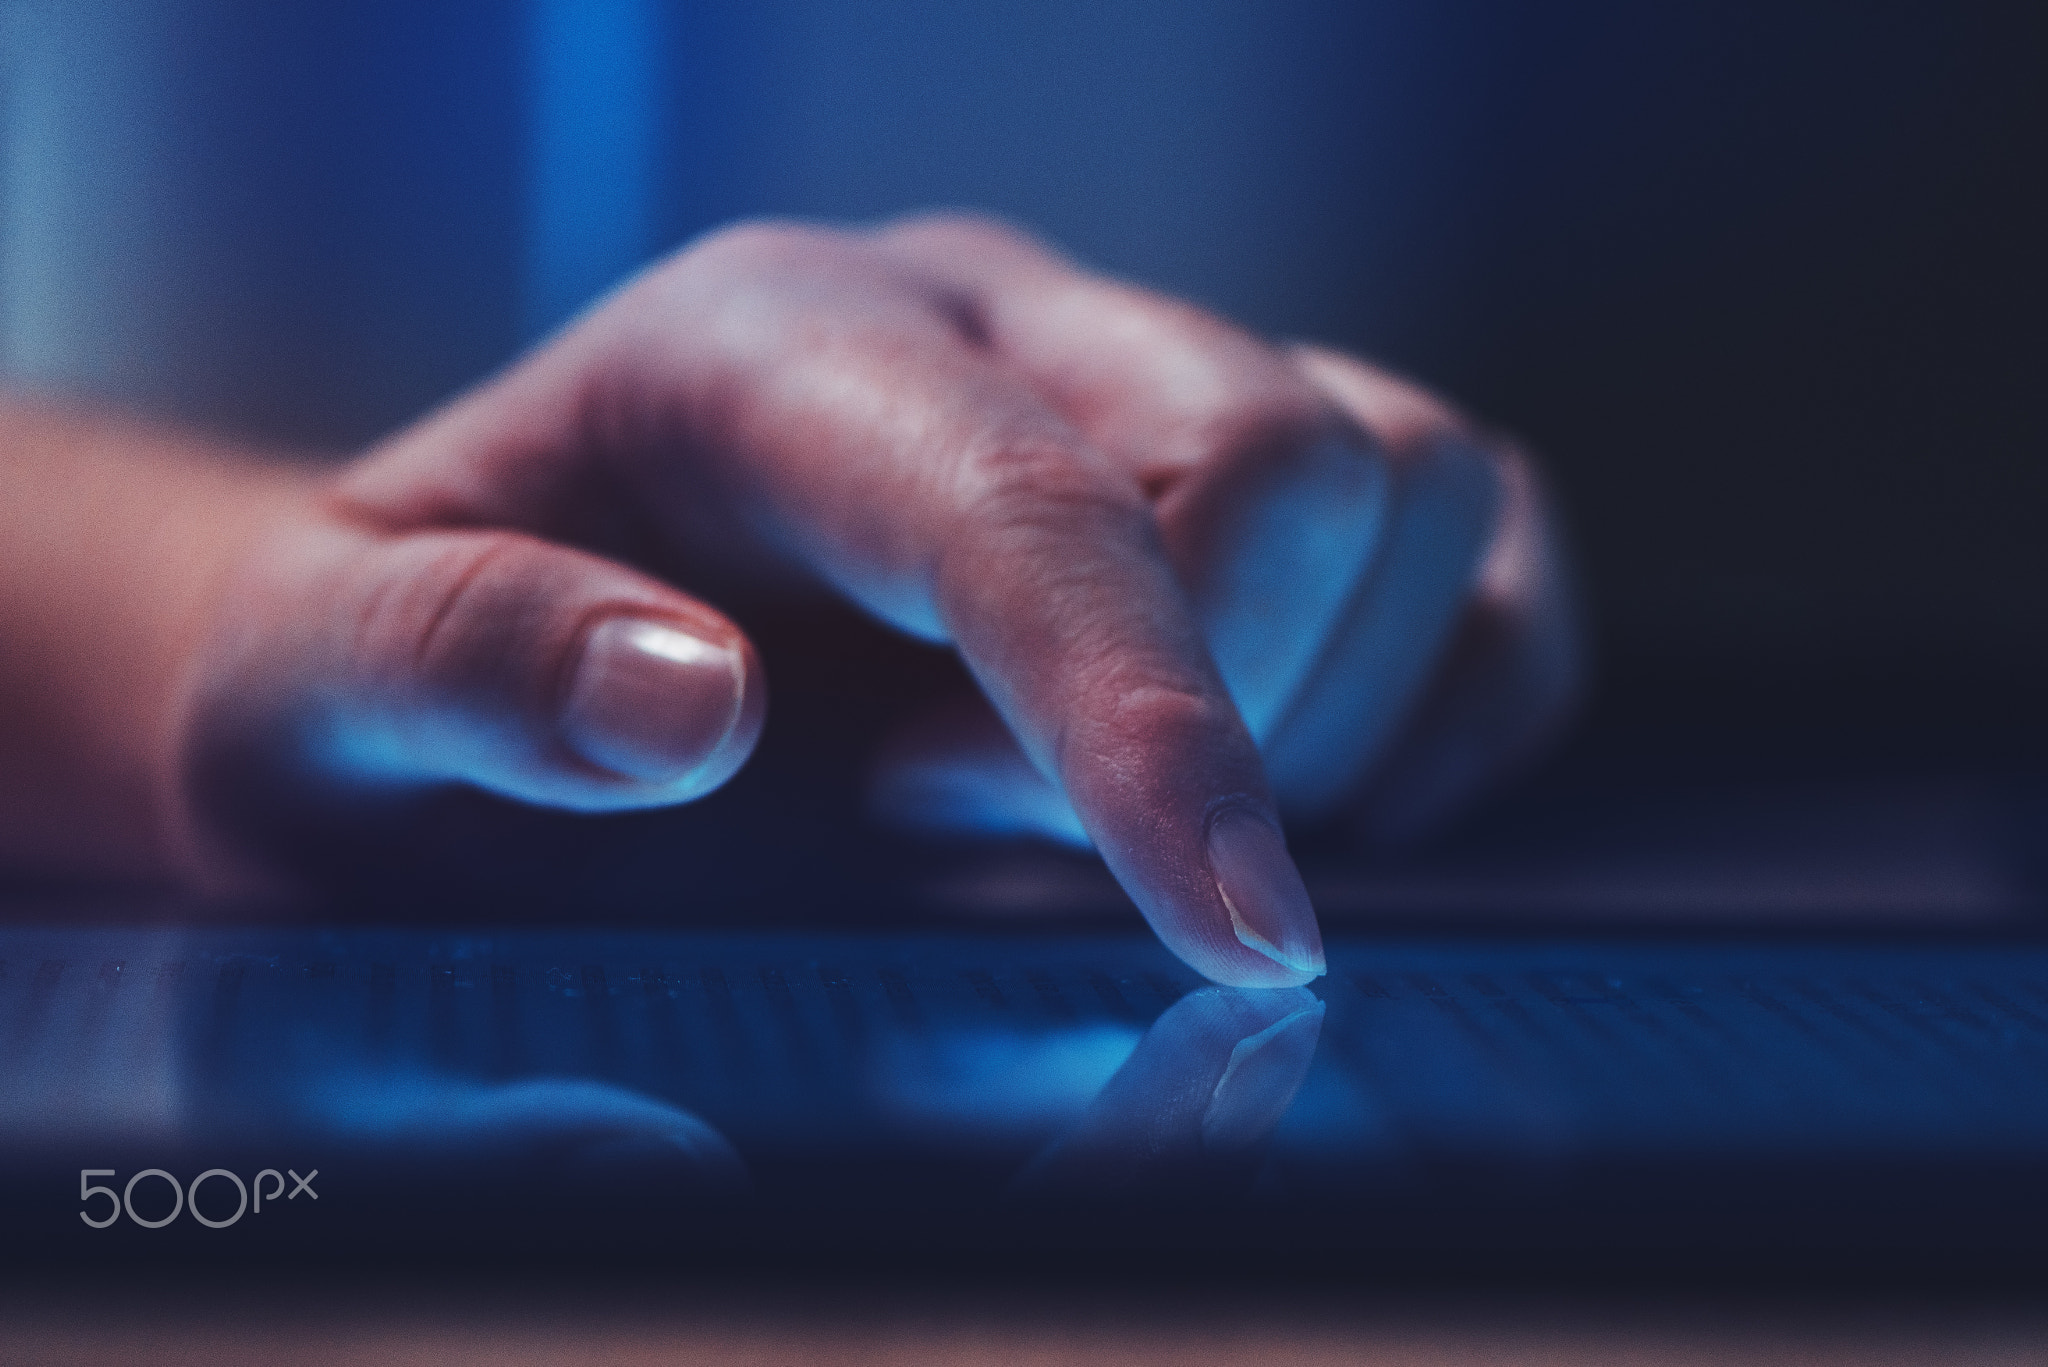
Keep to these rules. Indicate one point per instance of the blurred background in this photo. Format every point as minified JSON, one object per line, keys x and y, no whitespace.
{"x":1762,"y":283}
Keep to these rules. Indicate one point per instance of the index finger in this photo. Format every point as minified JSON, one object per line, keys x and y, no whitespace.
{"x":1054,"y":585}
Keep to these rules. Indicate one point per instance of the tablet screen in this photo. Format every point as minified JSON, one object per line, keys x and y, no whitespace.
{"x":368,"y":1093}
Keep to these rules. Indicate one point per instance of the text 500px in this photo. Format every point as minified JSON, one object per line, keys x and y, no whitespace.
{"x":183,"y":1198}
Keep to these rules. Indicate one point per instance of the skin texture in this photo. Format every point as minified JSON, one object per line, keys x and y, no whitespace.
{"x":1138,"y":526}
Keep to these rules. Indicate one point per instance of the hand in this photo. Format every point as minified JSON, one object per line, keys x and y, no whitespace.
{"x":1160,"y":545}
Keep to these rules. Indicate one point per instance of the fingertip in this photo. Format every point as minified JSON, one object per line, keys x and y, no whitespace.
{"x":1249,"y":968}
{"x":1262,"y":891}
{"x":1218,"y":954}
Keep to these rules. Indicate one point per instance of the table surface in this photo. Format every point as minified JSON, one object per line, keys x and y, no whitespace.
{"x":521,"y":1320}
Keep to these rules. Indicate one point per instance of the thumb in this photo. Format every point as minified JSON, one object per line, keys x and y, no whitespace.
{"x":480,"y":657}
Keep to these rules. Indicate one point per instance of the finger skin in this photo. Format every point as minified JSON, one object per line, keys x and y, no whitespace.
{"x":1383,"y":644}
{"x":1509,"y":681}
{"x":351,"y":660}
{"x":1511,"y":667}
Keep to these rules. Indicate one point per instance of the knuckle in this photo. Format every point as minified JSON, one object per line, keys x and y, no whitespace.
{"x":1405,"y":418}
{"x":974,"y":247}
{"x":1191,"y":390}
{"x":1141,"y":719}
{"x":444,"y":615}
{"x":764,"y":244}
{"x":958,"y":229}
{"x":1230,"y":398}
{"x":1259,"y":422}
{"x":1163,"y":712}
{"x":1034,"y":478}
{"x":1028,"y":493}
{"x":1040,"y":530}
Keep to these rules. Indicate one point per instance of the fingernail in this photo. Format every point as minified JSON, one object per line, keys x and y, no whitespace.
{"x":1264,"y":1073}
{"x":1269,"y":907}
{"x":650,"y":701}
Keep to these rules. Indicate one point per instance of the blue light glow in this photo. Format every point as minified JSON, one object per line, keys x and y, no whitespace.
{"x":590,"y":211}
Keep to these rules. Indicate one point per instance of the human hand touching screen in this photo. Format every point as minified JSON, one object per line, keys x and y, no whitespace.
{"x":1201,"y":581}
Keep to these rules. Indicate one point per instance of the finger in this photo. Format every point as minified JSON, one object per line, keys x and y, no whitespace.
{"x":1271,"y":501}
{"x":1394,"y":628}
{"x":488,"y":658}
{"x":1059,"y":597}
{"x":1507,"y":681}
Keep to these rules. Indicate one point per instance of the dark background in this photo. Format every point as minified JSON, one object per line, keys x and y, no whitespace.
{"x":1762,"y":283}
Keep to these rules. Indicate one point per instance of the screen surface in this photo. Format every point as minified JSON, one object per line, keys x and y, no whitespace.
{"x":171,"y":1093}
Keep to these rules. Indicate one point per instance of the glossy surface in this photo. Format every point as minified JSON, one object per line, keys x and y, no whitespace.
{"x":689,"y":1094}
